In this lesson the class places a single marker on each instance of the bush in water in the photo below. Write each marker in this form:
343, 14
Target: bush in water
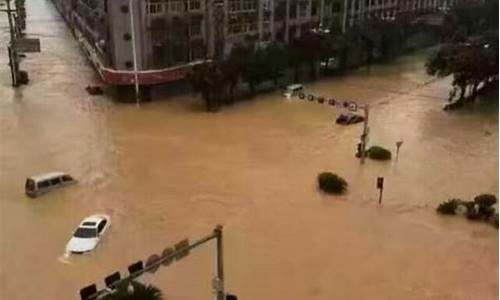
481, 209
485, 200
449, 207
379, 153
332, 183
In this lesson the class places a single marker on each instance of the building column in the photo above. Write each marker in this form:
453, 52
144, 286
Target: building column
260, 20
271, 20
287, 20
353, 10
321, 12
344, 17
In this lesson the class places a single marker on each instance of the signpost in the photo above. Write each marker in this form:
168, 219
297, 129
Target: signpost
398, 145
364, 136
380, 186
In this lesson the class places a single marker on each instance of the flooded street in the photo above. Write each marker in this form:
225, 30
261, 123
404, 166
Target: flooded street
166, 170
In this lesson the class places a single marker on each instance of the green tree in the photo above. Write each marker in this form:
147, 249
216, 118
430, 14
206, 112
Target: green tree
471, 64
209, 80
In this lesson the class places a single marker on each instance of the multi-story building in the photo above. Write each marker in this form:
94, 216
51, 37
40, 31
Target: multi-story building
160, 40
357, 11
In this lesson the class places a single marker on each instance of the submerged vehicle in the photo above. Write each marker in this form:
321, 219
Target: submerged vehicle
292, 90
88, 234
40, 184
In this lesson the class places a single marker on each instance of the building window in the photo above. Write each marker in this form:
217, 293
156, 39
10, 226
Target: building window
128, 64
195, 27
314, 8
194, 4
179, 53
302, 10
235, 27
197, 50
293, 11
124, 9
336, 7
234, 5
249, 4
177, 5
154, 7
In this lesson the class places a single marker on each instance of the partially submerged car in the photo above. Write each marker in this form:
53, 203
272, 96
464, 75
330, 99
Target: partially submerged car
292, 90
349, 118
43, 183
88, 234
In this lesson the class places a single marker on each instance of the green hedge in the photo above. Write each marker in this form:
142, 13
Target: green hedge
449, 207
480, 209
332, 183
379, 153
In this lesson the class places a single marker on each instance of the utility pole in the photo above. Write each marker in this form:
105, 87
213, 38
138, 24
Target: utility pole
168, 256
398, 146
380, 187
220, 263
13, 63
18, 44
364, 135
134, 52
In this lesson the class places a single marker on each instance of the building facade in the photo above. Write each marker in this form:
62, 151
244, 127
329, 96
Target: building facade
160, 40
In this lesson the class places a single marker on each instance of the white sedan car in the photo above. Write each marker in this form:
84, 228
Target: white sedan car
88, 234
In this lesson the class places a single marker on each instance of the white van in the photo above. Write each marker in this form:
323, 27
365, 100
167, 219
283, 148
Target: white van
292, 90
41, 184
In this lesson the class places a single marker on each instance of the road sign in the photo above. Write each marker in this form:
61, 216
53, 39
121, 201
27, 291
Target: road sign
152, 263
26, 45
182, 249
380, 182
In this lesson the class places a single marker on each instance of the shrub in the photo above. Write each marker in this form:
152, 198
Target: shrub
494, 220
379, 153
485, 200
473, 211
332, 183
449, 207
481, 209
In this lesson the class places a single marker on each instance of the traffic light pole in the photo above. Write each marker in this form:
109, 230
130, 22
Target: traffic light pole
175, 254
11, 51
364, 136
220, 263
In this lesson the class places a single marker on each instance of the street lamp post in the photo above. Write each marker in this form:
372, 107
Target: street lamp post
134, 51
364, 135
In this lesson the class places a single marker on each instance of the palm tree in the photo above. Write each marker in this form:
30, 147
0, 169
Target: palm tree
133, 290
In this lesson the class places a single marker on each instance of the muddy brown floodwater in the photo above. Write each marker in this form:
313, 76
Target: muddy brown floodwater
166, 171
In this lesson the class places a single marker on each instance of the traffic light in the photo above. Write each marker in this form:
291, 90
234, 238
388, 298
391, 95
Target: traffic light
136, 269
89, 292
111, 279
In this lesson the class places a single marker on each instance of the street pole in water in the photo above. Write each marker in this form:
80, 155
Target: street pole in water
220, 263
13, 63
364, 136
380, 186
134, 52
398, 145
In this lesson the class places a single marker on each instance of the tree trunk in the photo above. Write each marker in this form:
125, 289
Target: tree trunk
463, 89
